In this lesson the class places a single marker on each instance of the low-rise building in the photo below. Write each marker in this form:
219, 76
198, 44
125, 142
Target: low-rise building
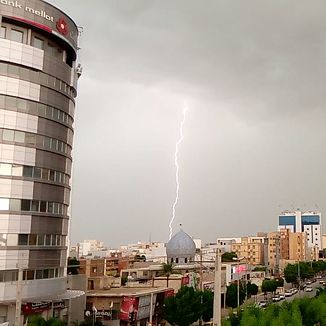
127, 305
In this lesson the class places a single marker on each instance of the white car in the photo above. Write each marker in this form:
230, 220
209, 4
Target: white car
276, 298
281, 296
288, 293
294, 291
308, 289
262, 304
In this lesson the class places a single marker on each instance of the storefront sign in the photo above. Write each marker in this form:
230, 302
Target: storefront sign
18, 5
31, 308
129, 309
46, 17
59, 305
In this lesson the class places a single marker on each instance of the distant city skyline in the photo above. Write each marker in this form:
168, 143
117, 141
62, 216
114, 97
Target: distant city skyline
252, 73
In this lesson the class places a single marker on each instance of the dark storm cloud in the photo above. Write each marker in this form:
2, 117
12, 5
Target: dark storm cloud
254, 74
269, 55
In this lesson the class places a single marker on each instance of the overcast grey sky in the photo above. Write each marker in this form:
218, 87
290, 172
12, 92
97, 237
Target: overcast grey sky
253, 73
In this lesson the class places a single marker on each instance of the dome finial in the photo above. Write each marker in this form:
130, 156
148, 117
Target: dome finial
180, 226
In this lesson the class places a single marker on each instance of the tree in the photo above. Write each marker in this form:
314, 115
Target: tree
228, 256
279, 282
252, 289
73, 266
167, 271
306, 272
232, 295
207, 305
269, 286
299, 312
291, 273
40, 321
184, 308
259, 269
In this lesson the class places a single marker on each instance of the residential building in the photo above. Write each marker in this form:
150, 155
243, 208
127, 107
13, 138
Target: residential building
308, 222
297, 246
274, 251
251, 248
87, 246
225, 244
323, 241
38, 86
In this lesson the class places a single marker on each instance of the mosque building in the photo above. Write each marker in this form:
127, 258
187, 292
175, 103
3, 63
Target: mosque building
181, 249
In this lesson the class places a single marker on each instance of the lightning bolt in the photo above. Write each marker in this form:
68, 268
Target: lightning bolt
177, 167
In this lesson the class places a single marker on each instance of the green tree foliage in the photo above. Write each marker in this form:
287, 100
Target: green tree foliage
279, 282
207, 305
252, 289
269, 285
291, 273
73, 266
89, 322
300, 312
232, 295
167, 271
40, 321
319, 266
184, 308
228, 256
259, 269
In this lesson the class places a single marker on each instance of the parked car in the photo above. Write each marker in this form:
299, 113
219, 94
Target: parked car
288, 293
276, 298
282, 296
308, 289
294, 290
262, 304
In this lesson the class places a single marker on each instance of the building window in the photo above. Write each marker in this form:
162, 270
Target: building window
177, 260
186, 260
3, 32
23, 240
16, 36
38, 43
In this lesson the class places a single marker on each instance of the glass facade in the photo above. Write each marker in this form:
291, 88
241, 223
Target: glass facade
287, 220
37, 103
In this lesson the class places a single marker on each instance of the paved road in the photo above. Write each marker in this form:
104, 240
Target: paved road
300, 294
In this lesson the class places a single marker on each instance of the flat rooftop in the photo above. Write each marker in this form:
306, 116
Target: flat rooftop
126, 291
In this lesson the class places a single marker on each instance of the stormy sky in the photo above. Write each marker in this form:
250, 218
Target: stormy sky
253, 74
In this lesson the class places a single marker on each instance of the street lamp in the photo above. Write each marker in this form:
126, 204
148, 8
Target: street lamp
238, 287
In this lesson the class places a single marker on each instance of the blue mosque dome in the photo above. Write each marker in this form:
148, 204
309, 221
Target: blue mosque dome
181, 248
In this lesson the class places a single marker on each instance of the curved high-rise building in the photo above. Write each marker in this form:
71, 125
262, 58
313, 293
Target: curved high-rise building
38, 76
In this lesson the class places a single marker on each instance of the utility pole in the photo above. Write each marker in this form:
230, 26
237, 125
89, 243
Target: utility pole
217, 289
19, 296
201, 282
151, 310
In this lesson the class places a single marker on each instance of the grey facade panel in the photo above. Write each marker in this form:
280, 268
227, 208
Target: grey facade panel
53, 161
57, 68
53, 98
44, 258
46, 225
53, 129
50, 193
